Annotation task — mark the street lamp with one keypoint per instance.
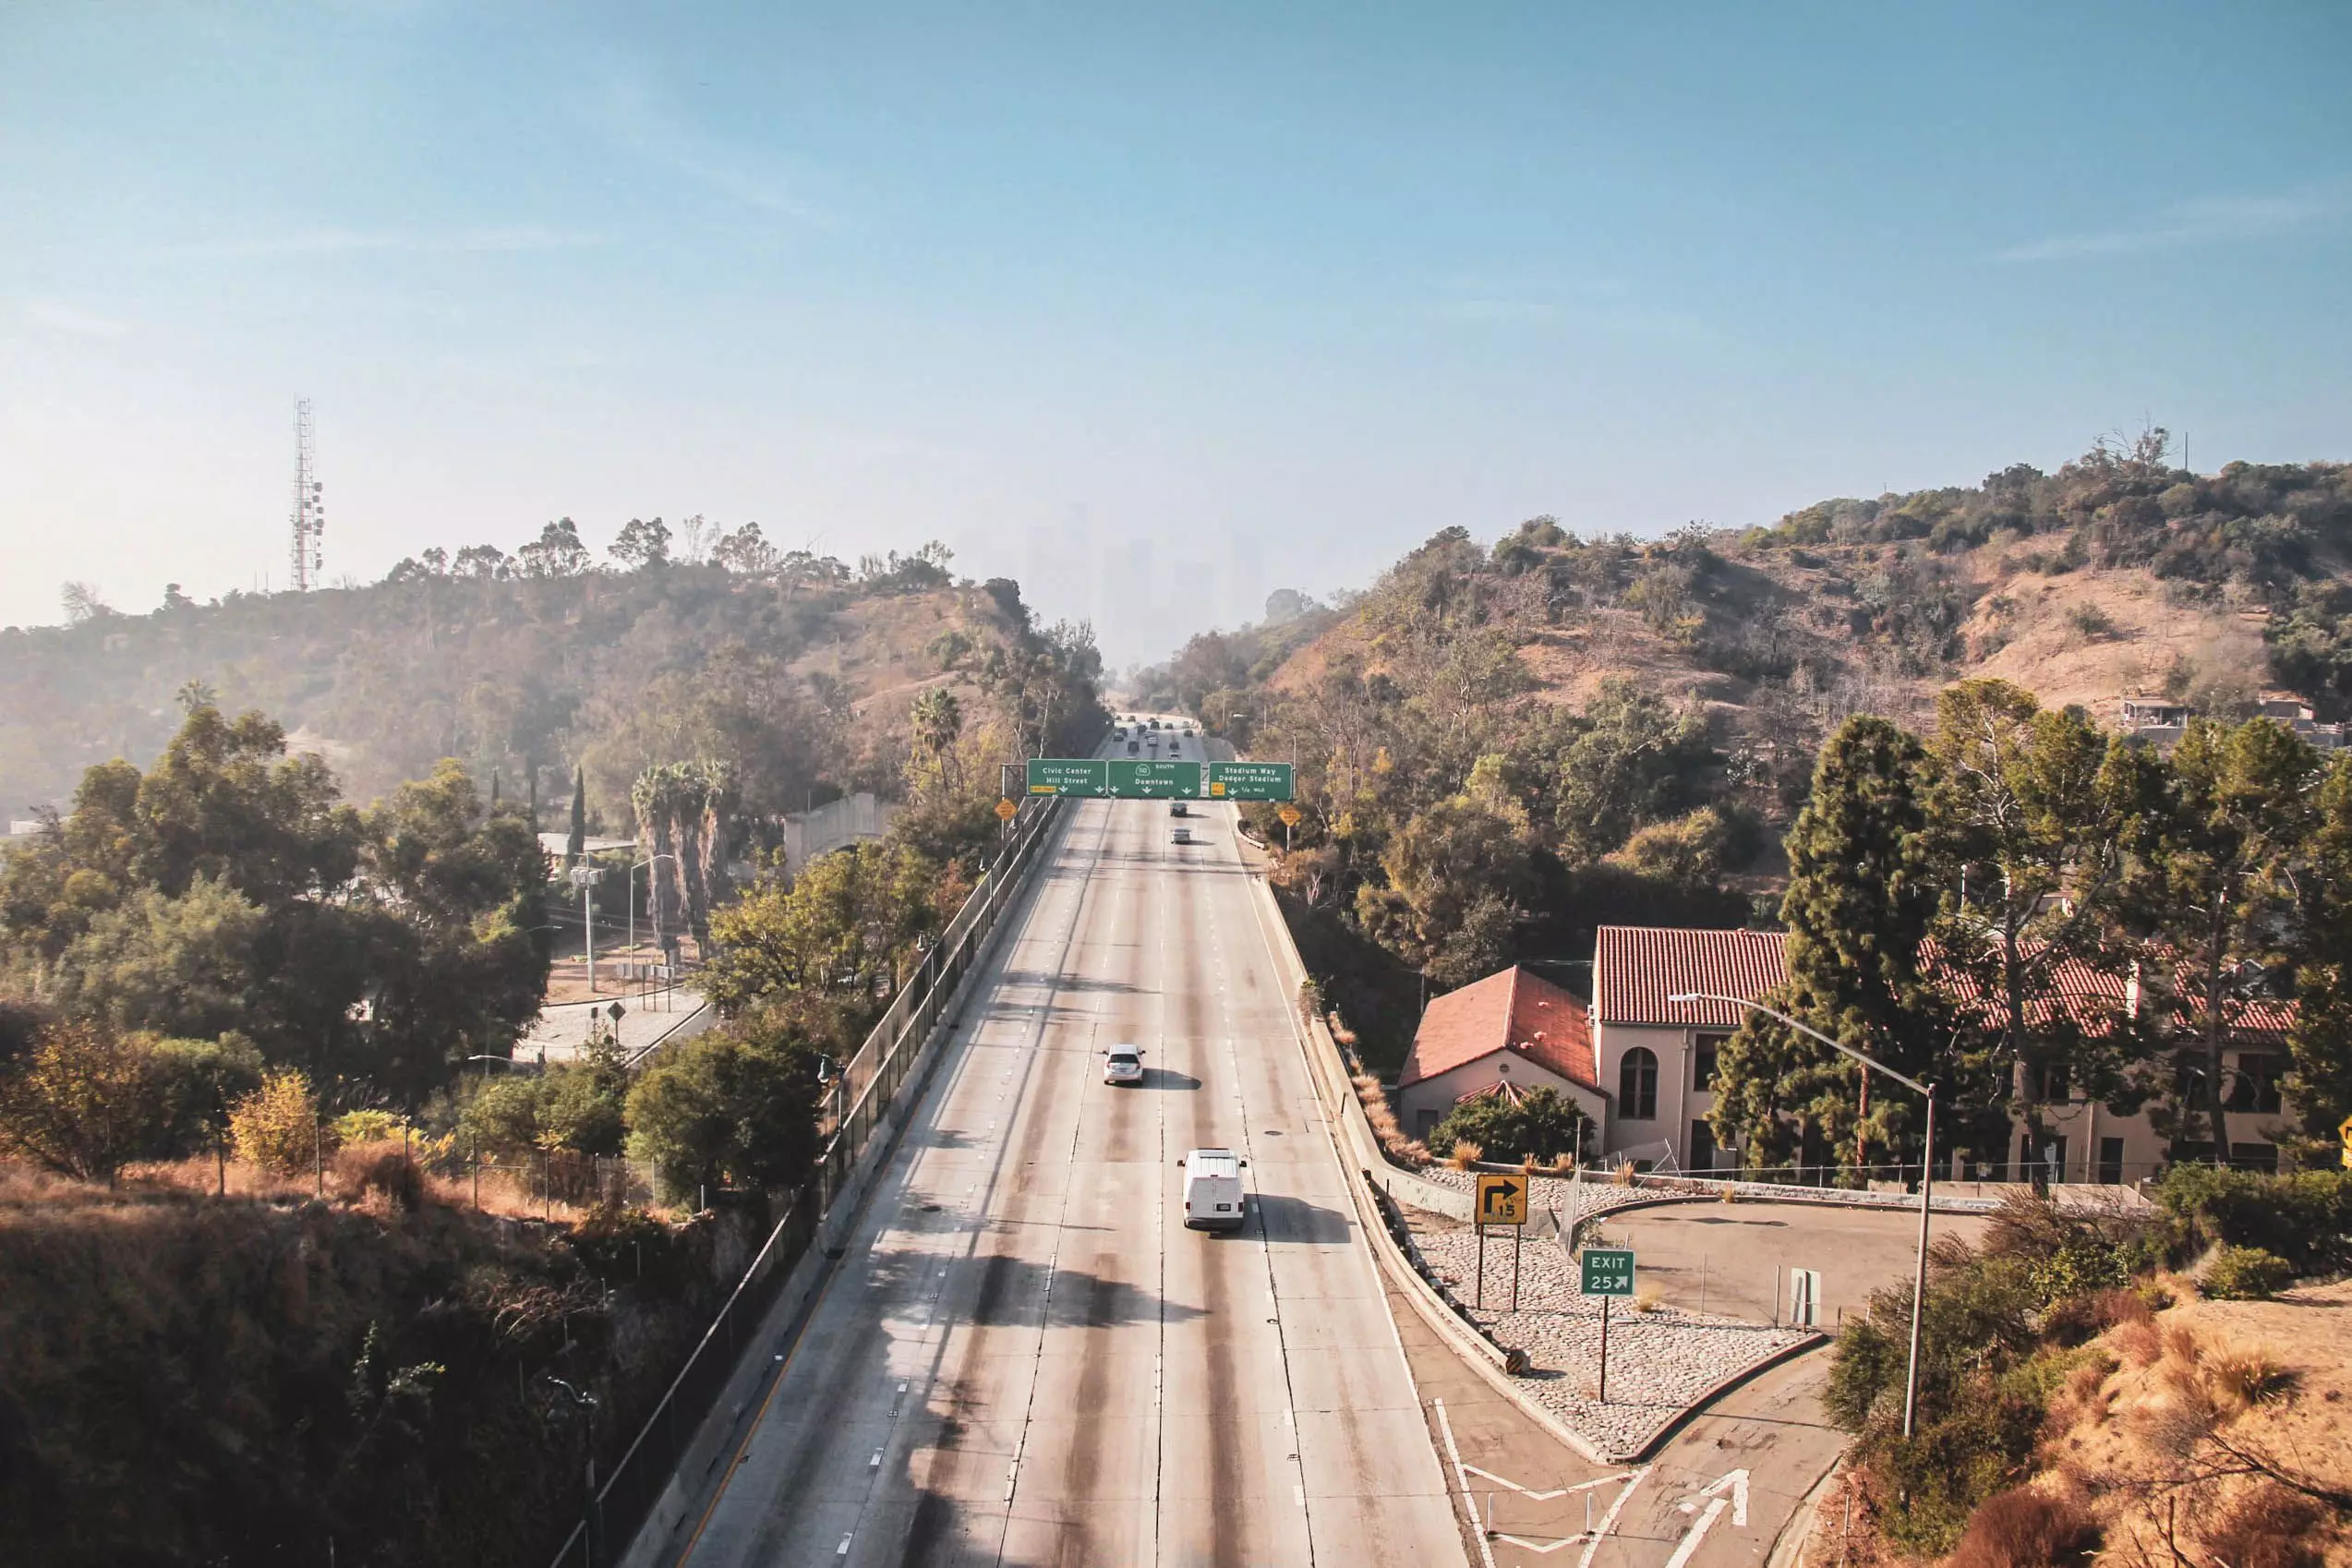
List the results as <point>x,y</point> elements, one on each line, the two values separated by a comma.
<point>1926,1172</point>
<point>586,877</point>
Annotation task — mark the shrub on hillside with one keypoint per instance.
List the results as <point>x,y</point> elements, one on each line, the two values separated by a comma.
<point>2027,1530</point>
<point>2305,1218</point>
<point>1996,1349</point>
<point>277,1126</point>
<point>1541,1126</point>
<point>2247,1273</point>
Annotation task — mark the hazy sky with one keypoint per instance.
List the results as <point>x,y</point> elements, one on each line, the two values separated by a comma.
<point>1156,307</point>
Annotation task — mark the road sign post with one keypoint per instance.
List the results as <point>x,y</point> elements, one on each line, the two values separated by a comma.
<point>1289,814</point>
<point>1500,1201</point>
<point>1608,1273</point>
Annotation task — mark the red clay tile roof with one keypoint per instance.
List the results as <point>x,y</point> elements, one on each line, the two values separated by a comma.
<point>2095,998</point>
<point>1512,1007</point>
<point>1635,968</point>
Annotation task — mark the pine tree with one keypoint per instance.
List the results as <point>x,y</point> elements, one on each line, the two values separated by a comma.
<point>2217,838</point>
<point>1860,902</point>
<point>2318,1082</point>
<point>575,848</point>
<point>2017,825</point>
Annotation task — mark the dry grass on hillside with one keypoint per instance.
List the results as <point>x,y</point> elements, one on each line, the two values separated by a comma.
<point>2222,1435</point>
<point>2090,636</point>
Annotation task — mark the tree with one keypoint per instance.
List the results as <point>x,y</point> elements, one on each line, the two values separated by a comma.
<point>844,926</point>
<point>557,553</point>
<point>576,846</point>
<point>1860,901</point>
<point>2018,825</point>
<point>277,1126</point>
<point>1636,761</point>
<point>2215,837</point>
<point>642,544</point>
<point>2318,1082</point>
<point>735,1106</point>
<point>182,966</point>
<point>87,1100</point>
<point>1457,875</point>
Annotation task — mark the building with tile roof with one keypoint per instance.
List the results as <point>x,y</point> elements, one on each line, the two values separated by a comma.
<point>1508,1033</point>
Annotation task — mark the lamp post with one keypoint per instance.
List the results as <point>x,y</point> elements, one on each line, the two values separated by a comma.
<point>1926,1173</point>
<point>633,899</point>
<point>586,877</point>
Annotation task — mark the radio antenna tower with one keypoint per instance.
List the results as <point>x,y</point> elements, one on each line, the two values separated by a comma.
<point>310,518</point>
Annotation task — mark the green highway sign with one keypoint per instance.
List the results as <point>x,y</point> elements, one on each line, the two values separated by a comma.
<point>1134,781</point>
<point>1069,775</point>
<point>1608,1271</point>
<point>1250,781</point>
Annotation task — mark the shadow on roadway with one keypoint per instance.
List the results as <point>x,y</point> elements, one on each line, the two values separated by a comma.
<point>1284,1218</point>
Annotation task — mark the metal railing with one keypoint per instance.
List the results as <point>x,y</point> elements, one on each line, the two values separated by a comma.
<point>619,1506</point>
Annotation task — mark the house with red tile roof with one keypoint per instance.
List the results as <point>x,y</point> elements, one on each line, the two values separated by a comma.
<point>1507,1034</point>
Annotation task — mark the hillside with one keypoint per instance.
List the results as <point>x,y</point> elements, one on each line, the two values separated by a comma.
<point>2117,575</point>
<point>796,670</point>
<point>1501,746</point>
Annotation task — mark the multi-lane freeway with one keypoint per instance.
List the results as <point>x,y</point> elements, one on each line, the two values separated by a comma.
<point>1024,1356</point>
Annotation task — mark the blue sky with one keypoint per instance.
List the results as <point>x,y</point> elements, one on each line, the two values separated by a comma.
<point>1156,309</point>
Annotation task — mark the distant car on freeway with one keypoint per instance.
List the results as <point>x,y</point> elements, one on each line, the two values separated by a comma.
<point>1181,836</point>
<point>1123,1063</point>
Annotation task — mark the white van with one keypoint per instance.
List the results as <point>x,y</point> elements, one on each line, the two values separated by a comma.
<point>1212,1199</point>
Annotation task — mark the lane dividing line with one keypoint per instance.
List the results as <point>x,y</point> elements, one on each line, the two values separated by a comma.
<point>1461,1475</point>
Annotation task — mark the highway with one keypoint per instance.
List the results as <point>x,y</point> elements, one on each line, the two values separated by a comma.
<point>1023,1357</point>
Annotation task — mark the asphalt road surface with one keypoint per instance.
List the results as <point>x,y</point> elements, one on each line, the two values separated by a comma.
<point>1024,1357</point>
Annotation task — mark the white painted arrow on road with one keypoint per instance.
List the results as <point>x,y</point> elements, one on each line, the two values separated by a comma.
<point>1736,1483</point>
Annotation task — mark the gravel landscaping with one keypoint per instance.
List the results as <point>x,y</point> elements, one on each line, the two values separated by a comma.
<point>1660,1362</point>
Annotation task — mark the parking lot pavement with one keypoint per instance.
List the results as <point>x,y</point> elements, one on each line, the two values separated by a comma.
<point>1728,1257</point>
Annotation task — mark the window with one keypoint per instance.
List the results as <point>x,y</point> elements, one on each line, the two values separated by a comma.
<point>1637,1085</point>
<point>2254,1085</point>
<point>1703,1054</point>
<point>2111,1161</point>
<point>1702,1156</point>
<point>2052,1083</point>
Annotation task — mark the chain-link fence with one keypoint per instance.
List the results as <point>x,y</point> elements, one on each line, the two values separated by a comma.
<point>867,1087</point>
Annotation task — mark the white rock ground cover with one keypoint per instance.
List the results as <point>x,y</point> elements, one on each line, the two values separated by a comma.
<point>1661,1362</point>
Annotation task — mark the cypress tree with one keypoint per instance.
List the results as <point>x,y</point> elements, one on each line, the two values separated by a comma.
<point>1860,901</point>
<point>575,848</point>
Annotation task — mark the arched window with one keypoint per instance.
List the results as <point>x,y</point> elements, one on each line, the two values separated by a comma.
<point>1637,1085</point>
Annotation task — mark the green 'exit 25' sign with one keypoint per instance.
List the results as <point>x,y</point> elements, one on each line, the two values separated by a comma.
<point>1608,1271</point>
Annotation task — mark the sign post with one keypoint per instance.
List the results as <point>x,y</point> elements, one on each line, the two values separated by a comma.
<point>1608,1272</point>
<point>1500,1201</point>
<point>1289,814</point>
